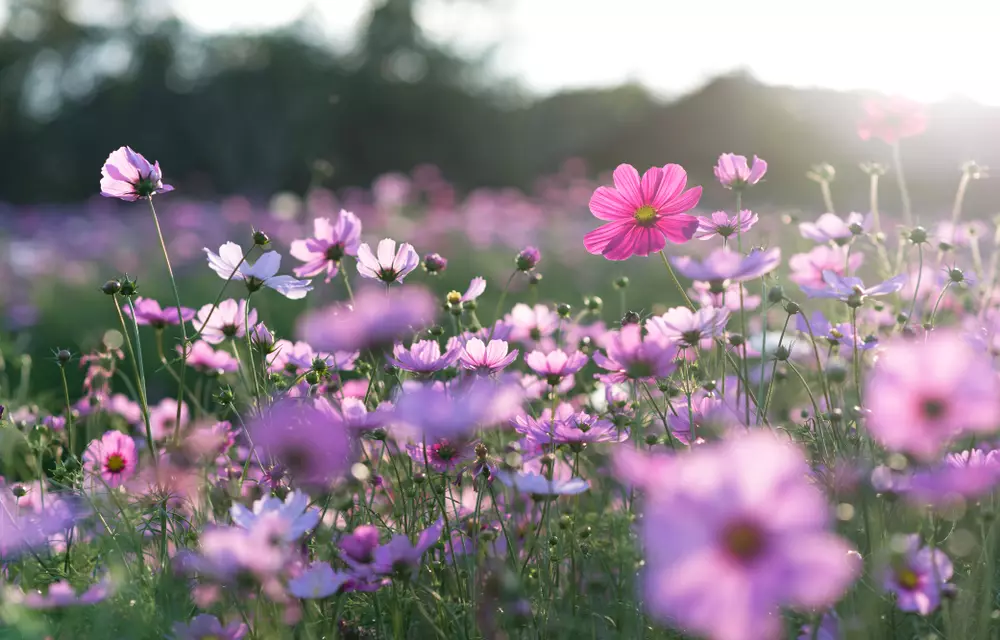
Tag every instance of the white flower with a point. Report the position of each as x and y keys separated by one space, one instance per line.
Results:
x=391 y=265
x=229 y=263
x=539 y=485
x=294 y=510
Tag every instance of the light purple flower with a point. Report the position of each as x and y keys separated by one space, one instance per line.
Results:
x=208 y=627
x=530 y=324
x=852 y=289
x=61 y=594
x=568 y=426
x=328 y=246
x=399 y=556
x=317 y=582
x=391 y=264
x=431 y=412
x=423 y=356
x=312 y=445
x=148 y=312
x=832 y=228
x=376 y=318
x=807 y=268
x=556 y=364
x=689 y=328
x=729 y=298
x=748 y=533
x=733 y=172
x=203 y=357
x=443 y=455
x=358 y=548
x=229 y=262
x=538 y=485
x=631 y=357
x=721 y=224
x=127 y=175
x=295 y=510
x=228 y=320
x=918 y=576
x=841 y=335
x=476 y=288
x=486 y=358
x=724 y=264
x=967 y=475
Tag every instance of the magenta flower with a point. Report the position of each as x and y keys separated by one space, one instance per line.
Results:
x=849 y=289
x=642 y=214
x=721 y=224
x=443 y=455
x=312 y=445
x=557 y=364
x=539 y=485
x=391 y=265
x=725 y=265
x=435 y=263
x=400 y=557
x=113 y=459
x=328 y=246
x=528 y=258
x=966 y=475
x=739 y=527
x=488 y=359
x=163 y=418
x=317 y=582
x=918 y=576
x=807 y=268
x=689 y=328
x=208 y=627
x=832 y=228
x=230 y=263
x=358 y=548
x=922 y=395
x=423 y=356
x=733 y=172
x=126 y=175
x=631 y=357
x=568 y=426
x=204 y=358
x=892 y=119
x=228 y=320
x=148 y=312
x=377 y=318
x=295 y=510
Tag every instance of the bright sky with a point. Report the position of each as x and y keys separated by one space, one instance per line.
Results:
x=920 y=48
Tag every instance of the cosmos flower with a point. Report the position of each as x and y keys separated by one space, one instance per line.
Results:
x=204 y=358
x=725 y=265
x=918 y=576
x=423 y=356
x=733 y=172
x=208 y=627
x=391 y=264
x=892 y=119
x=807 y=268
x=630 y=356
x=443 y=455
x=737 y=527
x=163 y=417
x=966 y=475
x=113 y=459
x=689 y=328
x=318 y=581
x=486 y=358
x=148 y=312
x=230 y=263
x=312 y=445
x=705 y=295
x=531 y=324
x=568 y=426
x=556 y=364
x=476 y=288
x=849 y=289
x=538 y=485
x=62 y=594
x=432 y=412
x=841 y=334
x=722 y=224
x=127 y=175
x=227 y=320
x=832 y=228
x=921 y=395
x=642 y=214
x=295 y=509
x=357 y=549
x=400 y=556
x=328 y=246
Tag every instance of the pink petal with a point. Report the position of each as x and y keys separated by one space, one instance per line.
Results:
x=627 y=182
x=682 y=203
x=678 y=228
x=597 y=240
x=608 y=204
x=650 y=185
x=674 y=179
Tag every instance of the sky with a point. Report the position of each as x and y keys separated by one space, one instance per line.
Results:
x=924 y=50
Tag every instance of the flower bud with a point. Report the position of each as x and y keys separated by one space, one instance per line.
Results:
x=434 y=263
x=63 y=356
x=918 y=235
x=791 y=308
x=856 y=229
x=855 y=300
x=621 y=283
x=225 y=396
x=593 y=303
x=469 y=305
x=319 y=365
x=736 y=340
x=563 y=310
x=437 y=331
x=129 y=287
x=312 y=378
x=111 y=287
x=651 y=440
x=781 y=353
x=260 y=239
x=630 y=317
x=534 y=279
x=836 y=372
x=775 y=294
x=956 y=274
x=528 y=258
x=821 y=173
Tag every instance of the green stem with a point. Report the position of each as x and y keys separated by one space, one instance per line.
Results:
x=920 y=273
x=70 y=425
x=677 y=283
x=904 y=193
x=140 y=382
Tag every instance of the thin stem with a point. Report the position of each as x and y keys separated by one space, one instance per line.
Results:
x=856 y=355
x=70 y=425
x=904 y=193
x=937 y=303
x=140 y=383
x=503 y=298
x=824 y=186
x=956 y=209
x=677 y=282
x=920 y=273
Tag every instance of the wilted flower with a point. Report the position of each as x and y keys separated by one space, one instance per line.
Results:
x=127 y=175
x=328 y=246
x=642 y=214
x=391 y=265
x=733 y=172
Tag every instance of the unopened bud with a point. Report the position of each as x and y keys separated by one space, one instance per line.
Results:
x=434 y=263
x=918 y=235
x=564 y=310
x=775 y=294
x=111 y=287
x=621 y=283
x=260 y=238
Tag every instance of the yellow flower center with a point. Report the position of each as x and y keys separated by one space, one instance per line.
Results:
x=907 y=579
x=115 y=463
x=454 y=297
x=645 y=214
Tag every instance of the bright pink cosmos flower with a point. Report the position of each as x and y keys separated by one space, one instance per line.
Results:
x=892 y=119
x=113 y=458
x=443 y=455
x=391 y=264
x=126 y=175
x=148 y=312
x=486 y=358
x=228 y=320
x=807 y=268
x=733 y=172
x=423 y=356
x=918 y=576
x=556 y=364
x=328 y=246
x=738 y=527
x=922 y=395
x=642 y=214
x=722 y=224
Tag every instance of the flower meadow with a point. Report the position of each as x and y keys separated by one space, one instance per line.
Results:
x=797 y=439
